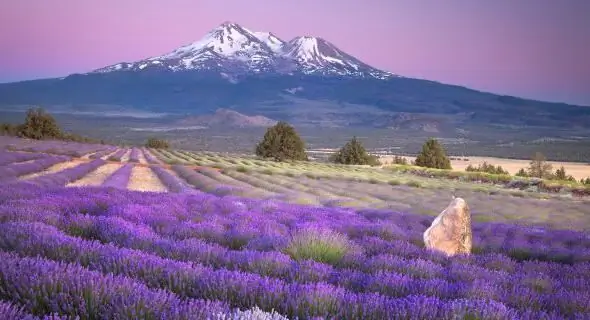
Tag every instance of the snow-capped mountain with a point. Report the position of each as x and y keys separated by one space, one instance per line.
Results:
x=233 y=49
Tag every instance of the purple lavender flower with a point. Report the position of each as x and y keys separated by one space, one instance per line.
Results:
x=120 y=178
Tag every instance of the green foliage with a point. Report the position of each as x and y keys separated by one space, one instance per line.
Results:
x=538 y=167
x=560 y=174
x=522 y=173
x=242 y=169
x=39 y=125
x=281 y=142
x=321 y=245
x=8 y=129
x=433 y=155
x=400 y=160
x=156 y=143
x=486 y=167
x=353 y=152
x=585 y=181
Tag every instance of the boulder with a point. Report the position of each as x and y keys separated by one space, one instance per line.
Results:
x=451 y=232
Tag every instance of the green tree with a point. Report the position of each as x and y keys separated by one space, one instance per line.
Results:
x=433 y=155
x=522 y=173
x=560 y=174
x=353 y=152
x=281 y=142
x=488 y=168
x=538 y=167
x=39 y=125
x=157 y=143
x=8 y=129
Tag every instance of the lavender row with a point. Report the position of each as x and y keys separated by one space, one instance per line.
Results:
x=7 y=157
x=462 y=280
x=120 y=178
x=393 y=228
x=172 y=182
x=118 y=155
x=207 y=184
x=150 y=158
x=247 y=290
x=102 y=153
x=54 y=287
x=134 y=155
x=66 y=176
x=13 y=171
x=72 y=149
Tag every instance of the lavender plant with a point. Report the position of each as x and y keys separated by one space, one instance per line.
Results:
x=120 y=178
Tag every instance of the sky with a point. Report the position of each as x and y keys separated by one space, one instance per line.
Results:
x=528 y=48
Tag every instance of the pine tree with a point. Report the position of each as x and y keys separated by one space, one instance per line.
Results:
x=433 y=155
x=353 y=152
x=281 y=142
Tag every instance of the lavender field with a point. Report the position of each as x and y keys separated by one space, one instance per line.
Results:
x=102 y=232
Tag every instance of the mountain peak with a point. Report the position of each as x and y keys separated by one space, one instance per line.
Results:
x=232 y=49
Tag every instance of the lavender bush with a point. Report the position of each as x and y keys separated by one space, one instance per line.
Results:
x=14 y=170
x=134 y=155
x=150 y=158
x=7 y=157
x=120 y=178
x=118 y=155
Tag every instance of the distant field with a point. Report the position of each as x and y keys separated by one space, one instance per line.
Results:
x=577 y=169
x=319 y=184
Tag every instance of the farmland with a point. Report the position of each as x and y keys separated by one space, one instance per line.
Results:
x=199 y=235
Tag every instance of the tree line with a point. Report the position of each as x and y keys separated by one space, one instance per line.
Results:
x=40 y=125
x=281 y=142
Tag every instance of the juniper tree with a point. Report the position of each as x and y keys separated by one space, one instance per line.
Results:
x=39 y=125
x=353 y=152
x=433 y=155
x=281 y=142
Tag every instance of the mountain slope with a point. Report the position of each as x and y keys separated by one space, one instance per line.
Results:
x=234 y=50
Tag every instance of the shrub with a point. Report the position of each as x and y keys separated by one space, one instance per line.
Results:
x=8 y=129
x=156 y=143
x=414 y=184
x=538 y=167
x=319 y=244
x=560 y=174
x=394 y=182
x=585 y=181
x=487 y=168
x=242 y=169
x=433 y=155
x=399 y=160
x=522 y=173
x=281 y=142
x=353 y=152
x=39 y=125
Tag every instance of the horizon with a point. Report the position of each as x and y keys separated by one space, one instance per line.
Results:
x=538 y=51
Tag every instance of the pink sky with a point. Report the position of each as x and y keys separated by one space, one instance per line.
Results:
x=529 y=48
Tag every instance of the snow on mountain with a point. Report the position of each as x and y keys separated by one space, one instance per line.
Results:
x=316 y=55
x=233 y=49
x=272 y=41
